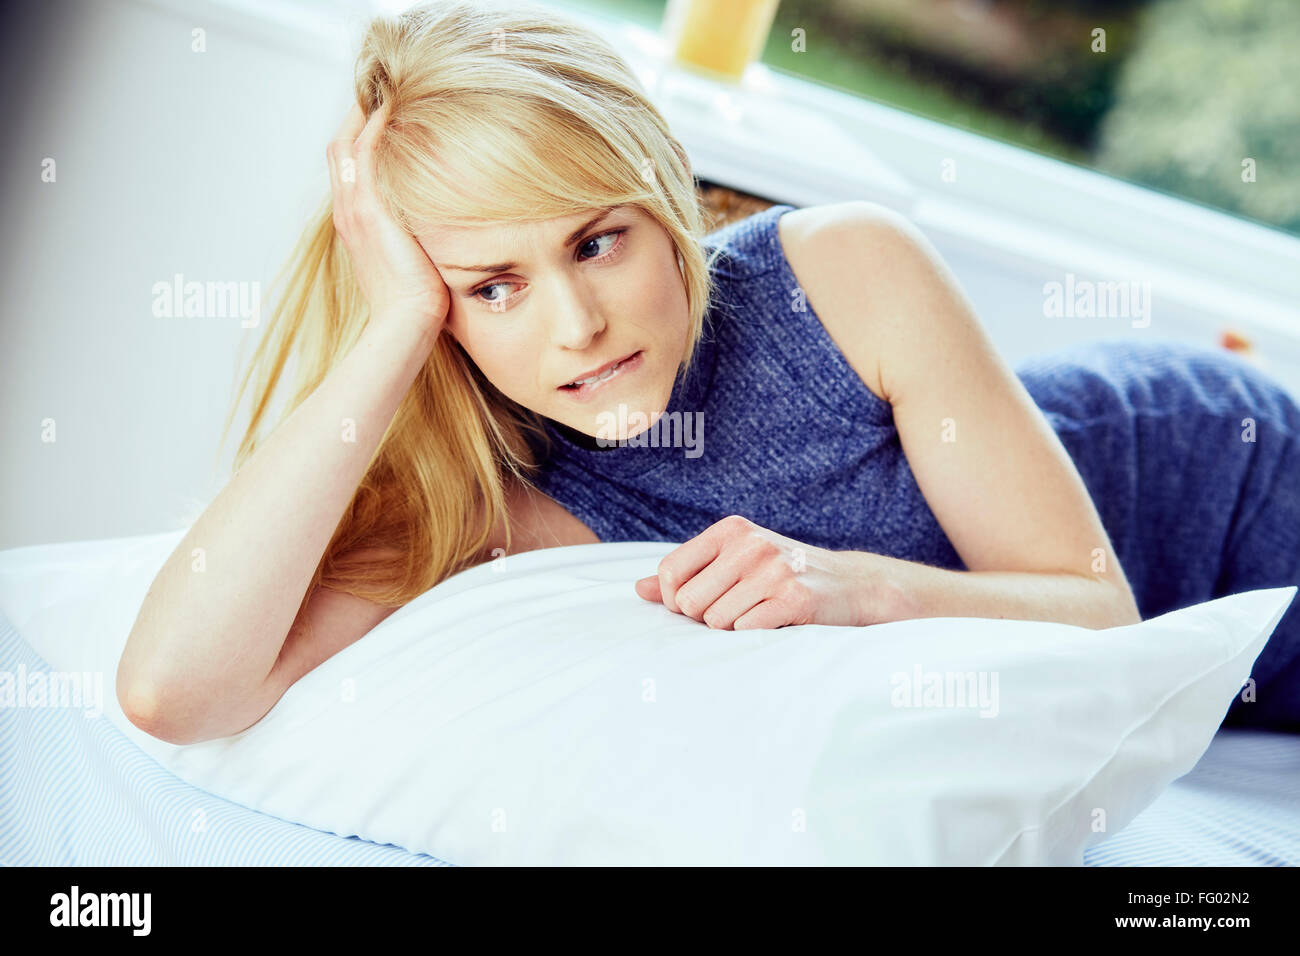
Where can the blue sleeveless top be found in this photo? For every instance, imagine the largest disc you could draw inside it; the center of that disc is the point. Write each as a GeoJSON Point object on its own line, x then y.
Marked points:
{"type": "Point", "coordinates": [795, 441]}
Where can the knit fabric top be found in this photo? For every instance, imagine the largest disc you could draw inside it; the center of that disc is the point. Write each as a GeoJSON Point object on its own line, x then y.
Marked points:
{"type": "Point", "coordinates": [782, 430]}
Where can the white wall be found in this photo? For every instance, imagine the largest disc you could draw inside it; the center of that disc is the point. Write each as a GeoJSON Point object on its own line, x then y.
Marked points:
{"type": "Point", "coordinates": [167, 161]}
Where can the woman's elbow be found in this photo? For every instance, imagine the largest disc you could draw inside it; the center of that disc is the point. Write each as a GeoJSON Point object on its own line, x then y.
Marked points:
{"type": "Point", "coordinates": [145, 708]}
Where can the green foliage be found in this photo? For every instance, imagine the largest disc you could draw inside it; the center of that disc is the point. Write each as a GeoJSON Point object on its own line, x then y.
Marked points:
{"type": "Point", "coordinates": [1212, 83]}
{"type": "Point", "coordinates": [1185, 91]}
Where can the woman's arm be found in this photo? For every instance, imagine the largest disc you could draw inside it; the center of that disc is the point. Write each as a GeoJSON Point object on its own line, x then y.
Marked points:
{"type": "Point", "coordinates": [889, 589]}
{"type": "Point", "coordinates": [736, 574]}
{"type": "Point", "coordinates": [995, 475]}
{"type": "Point", "coordinates": [218, 640]}
{"type": "Point", "coordinates": [208, 635]}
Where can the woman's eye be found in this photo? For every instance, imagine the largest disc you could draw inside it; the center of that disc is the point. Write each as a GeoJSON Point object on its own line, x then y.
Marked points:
{"type": "Point", "coordinates": [611, 238]}
{"type": "Point", "coordinates": [478, 293]}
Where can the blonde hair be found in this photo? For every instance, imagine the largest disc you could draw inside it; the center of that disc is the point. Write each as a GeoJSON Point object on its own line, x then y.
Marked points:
{"type": "Point", "coordinates": [500, 113]}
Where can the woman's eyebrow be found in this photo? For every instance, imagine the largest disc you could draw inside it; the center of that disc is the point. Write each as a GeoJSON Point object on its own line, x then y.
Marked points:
{"type": "Point", "coordinates": [507, 266]}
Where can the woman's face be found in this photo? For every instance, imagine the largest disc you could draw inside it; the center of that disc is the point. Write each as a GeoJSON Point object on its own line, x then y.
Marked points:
{"type": "Point", "coordinates": [539, 305]}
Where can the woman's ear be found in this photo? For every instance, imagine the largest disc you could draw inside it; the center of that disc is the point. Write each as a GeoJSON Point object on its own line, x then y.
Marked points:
{"type": "Point", "coordinates": [681, 265]}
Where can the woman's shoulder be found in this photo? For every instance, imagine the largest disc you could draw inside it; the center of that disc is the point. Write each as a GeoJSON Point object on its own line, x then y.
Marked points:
{"type": "Point", "coordinates": [756, 243]}
{"type": "Point", "coordinates": [814, 257]}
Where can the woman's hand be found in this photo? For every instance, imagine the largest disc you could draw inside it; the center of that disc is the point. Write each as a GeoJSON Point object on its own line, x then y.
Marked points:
{"type": "Point", "coordinates": [393, 270]}
{"type": "Point", "coordinates": [736, 575]}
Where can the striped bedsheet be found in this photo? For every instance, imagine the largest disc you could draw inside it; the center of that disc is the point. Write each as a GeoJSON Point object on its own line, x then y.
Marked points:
{"type": "Point", "coordinates": [74, 791]}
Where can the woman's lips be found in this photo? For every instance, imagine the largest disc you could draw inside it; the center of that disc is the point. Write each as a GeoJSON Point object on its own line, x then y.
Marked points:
{"type": "Point", "coordinates": [626, 367]}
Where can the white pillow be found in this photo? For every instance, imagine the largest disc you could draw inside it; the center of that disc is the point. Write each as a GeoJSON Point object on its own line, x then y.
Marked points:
{"type": "Point", "coordinates": [535, 710]}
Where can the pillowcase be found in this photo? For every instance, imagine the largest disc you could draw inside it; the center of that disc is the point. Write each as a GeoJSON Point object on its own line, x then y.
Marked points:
{"type": "Point", "coordinates": [534, 710]}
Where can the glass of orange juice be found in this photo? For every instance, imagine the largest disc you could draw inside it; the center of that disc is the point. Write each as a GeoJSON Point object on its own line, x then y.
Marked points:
{"type": "Point", "coordinates": [721, 36]}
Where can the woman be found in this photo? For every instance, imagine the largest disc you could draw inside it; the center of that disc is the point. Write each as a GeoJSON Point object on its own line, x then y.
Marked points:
{"type": "Point", "coordinates": [508, 334]}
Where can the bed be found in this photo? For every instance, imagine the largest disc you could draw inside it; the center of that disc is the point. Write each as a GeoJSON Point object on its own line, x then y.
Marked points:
{"type": "Point", "coordinates": [76, 791]}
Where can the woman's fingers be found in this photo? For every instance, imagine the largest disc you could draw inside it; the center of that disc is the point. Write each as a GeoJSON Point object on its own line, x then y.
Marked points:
{"type": "Point", "coordinates": [350, 156]}
{"type": "Point", "coordinates": [746, 544]}
{"type": "Point", "coordinates": [353, 123]}
{"type": "Point", "coordinates": [707, 586]}
{"type": "Point", "coordinates": [365, 141]}
{"type": "Point", "coordinates": [339, 152]}
{"type": "Point", "coordinates": [682, 565]}
{"type": "Point", "coordinates": [735, 568]}
{"type": "Point", "coordinates": [738, 600]}
{"type": "Point", "coordinates": [391, 268]}
{"type": "Point", "coordinates": [339, 158]}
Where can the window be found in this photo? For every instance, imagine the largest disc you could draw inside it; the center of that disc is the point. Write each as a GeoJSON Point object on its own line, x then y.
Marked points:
{"type": "Point", "coordinates": [1195, 98]}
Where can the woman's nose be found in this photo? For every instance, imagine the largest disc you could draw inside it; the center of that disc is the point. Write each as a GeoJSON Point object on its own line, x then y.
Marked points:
{"type": "Point", "coordinates": [576, 318]}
